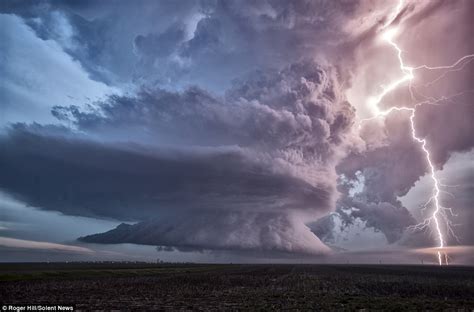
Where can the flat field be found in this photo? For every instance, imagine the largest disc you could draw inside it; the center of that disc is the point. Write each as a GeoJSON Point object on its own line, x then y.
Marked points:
{"type": "Point", "coordinates": [239, 287]}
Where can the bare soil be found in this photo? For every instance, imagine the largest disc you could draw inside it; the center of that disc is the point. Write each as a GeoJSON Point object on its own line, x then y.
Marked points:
{"type": "Point", "coordinates": [240, 287]}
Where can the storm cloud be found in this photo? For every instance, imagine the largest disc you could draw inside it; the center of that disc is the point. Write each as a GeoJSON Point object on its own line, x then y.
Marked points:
{"type": "Point", "coordinates": [231, 125]}
{"type": "Point", "coordinates": [262, 157]}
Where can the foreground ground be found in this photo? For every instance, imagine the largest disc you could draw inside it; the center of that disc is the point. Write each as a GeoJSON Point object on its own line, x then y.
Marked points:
{"type": "Point", "coordinates": [239, 287]}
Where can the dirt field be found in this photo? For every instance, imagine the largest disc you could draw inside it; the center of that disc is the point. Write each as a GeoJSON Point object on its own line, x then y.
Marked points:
{"type": "Point", "coordinates": [239, 287]}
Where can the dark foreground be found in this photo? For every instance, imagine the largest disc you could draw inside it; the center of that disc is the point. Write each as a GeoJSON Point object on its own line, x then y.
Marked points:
{"type": "Point", "coordinates": [239, 287]}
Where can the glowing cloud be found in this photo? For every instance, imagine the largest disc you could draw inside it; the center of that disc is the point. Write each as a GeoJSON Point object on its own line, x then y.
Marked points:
{"type": "Point", "coordinates": [439, 212]}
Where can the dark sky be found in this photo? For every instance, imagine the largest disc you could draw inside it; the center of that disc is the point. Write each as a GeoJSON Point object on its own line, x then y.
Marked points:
{"type": "Point", "coordinates": [227, 131]}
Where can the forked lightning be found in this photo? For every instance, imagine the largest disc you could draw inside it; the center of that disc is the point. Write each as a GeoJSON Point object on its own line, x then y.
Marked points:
{"type": "Point", "coordinates": [439, 213]}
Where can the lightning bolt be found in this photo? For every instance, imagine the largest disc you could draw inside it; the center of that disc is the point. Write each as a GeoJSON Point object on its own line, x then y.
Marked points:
{"type": "Point", "coordinates": [439, 212]}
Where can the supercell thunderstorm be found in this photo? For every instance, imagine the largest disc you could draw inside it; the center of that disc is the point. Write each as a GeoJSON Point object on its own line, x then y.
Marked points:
{"type": "Point", "coordinates": [229, 130]}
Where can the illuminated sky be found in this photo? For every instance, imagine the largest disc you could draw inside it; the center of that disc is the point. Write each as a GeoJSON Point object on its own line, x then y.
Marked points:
{"type": "Point", "coordinates": [231, 131]}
